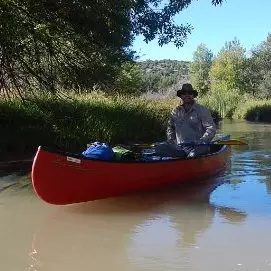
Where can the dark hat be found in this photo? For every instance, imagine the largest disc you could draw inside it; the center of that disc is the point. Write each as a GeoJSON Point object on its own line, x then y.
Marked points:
{"type": "Point", "coordinates": [187, 88]}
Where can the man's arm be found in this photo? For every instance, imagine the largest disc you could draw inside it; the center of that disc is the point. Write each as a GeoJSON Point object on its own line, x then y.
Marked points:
{"type": "Point", "coordinates": [171, 135]}
{"type": "Point", "coordinates": [208, 124]}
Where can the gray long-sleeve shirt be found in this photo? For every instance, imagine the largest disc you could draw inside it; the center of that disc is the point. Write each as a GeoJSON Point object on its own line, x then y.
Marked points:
{"type": "Point", "coordinates": [196, 124]}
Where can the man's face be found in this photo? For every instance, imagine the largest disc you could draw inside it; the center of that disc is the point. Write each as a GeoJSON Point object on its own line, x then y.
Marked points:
{"type": "Point", "coordinates": [187, 97]}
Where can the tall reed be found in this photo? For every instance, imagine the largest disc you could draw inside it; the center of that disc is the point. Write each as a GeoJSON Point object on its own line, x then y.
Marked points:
{"type": "Point", "coordinates": [72, 123]}
{"type": "Point", "coordinates": [224, 103]}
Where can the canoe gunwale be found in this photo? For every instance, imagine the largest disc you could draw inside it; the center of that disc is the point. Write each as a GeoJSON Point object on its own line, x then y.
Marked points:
{"type": "Point", "coordinates": [221, 149]}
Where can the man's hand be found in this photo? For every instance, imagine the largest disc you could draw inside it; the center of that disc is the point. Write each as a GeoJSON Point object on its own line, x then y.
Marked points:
{"type": "Point", "coordinates": [199, 142]}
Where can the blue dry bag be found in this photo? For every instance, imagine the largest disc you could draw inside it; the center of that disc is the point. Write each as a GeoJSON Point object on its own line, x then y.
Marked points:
{"type": "Point", "coordinates": [99, 150]}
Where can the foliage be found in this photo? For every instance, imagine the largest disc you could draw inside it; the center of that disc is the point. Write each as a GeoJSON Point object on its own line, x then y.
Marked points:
{"type": "Point", "coordinates": [129, 80]}
{"type": "Point", "coordinates": [265, 86]}
{"type": "Point", "coordinates": [73, 44]}
{"type": "Point", "coordinates": [67, 44]}
{"type": "Point", "coordinates": [259, 69]}
{"type": "Point", "coordinates": [223, 103]}
{"type": "Point", "coordinates": [231, 72]}
{"type": "Point", "coordinates": [254, 110]}
{"type": "Point", "coordinates": [226, 69]}
{"type": "Point", "coordinates": [155, 19]}
{"type": "Point", "coordinates": [72, 123]}
{"type": "Point", "coordinates": [47, 44]}
{"type": "Point", "coordinates": [200, 67]}
{"type": "Point", "coordinates": [159, 75]}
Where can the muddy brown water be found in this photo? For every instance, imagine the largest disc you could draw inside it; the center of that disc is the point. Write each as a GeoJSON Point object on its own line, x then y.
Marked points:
{"type": "Point", "coordinates": [221, 224]}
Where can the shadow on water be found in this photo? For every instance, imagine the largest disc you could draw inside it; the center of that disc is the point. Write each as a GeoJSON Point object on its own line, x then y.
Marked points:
{"type": "Point", "coordinates": [15, 181]}
{"type": "Point", "coordinates": [18, 166]}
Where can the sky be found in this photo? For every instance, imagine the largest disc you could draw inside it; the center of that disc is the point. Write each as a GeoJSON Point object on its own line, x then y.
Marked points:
{"type": "Point", "coordinates": [247, 20]}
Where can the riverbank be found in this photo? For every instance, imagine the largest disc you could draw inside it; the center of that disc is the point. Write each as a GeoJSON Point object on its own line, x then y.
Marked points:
{"type": "Point", "coordinates": [73, 122]}
{"type": "Point", "coordinates": [70, 124]}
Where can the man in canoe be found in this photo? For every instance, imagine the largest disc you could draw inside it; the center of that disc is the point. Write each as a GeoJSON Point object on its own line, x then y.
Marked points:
{"type": "Point", "coordinates": [190, 127]}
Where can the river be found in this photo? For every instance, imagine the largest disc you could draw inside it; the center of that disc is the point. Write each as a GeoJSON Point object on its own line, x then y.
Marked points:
{"type": "Point", "coordinates": [223, 224]}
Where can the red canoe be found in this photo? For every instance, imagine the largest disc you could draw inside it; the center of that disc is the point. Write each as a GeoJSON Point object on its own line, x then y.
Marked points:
{"type": "Point", "coordinates": [64, 178]}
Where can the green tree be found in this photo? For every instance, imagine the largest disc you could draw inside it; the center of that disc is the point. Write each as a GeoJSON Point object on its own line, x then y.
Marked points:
{"type": "Point", "coordinates": [155, 19]}
{"type": "Point", "coordinates": [265, 86]}
{"type": "Point", "coordinates": [200, 67]}
{"type": "Point", "coordinates": [48, 44]}
{"type": "Point", "coordinates": [227, 66]}
{"type": "Point", "coordinates": [129, 79]}
{"type": "Point", "coordinates": [258, 69]}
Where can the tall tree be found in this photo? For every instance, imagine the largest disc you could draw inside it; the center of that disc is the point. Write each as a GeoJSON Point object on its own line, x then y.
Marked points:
{"type": "Point", "coordinates": [258, 69]}
{"type": "Point", "coordinates": [200, 67]}
{"type": "Point", "coordinates": [155, 19]}
{"type": "Point", "coordinates": [48, 44]}
{"type": "Point", "coordinates": [227, 67]}
{"type": "Point", "coordinates": [129, 80]}
{"type": "Point", "coordinates": [265, 86]}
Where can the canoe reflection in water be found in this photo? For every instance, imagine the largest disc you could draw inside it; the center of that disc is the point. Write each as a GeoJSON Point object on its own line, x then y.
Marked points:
{"type": "Point", "coordinates": [151, 230]}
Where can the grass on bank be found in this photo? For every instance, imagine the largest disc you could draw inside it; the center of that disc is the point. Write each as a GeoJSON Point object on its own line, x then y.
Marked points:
{"type": "Point", "coordinates": [72, 123]}
{"type": "Point", "coordinates": [237, 106]}
{"type": "Point", "coordinates": [257, 110]}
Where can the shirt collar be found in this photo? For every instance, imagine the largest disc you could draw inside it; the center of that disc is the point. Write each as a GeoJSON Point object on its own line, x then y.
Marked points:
{"type": "Point", "coordinates": [193, 107]}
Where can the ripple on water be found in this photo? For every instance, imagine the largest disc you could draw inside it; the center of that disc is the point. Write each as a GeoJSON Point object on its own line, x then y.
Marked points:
{"type": "Point", "coordinates": [7, 181]}
{"type": "Point", "coordinates": [250, 163]}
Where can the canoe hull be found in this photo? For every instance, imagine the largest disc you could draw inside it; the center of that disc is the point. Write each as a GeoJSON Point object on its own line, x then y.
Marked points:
{"type": "Point", "coordinates": [61, 178]}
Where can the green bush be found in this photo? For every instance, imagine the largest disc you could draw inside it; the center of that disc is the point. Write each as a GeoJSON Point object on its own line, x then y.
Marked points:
{"type": "Point", "coordinates": [254, 110]}
{"type": "Point", "coordinates": [72, 123]}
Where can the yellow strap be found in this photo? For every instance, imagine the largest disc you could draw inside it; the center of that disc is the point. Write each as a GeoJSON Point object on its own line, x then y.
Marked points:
{"type": "Point", "coordinates": [218, 142]}
{"type": "Point", "coordinates": [229, 142]}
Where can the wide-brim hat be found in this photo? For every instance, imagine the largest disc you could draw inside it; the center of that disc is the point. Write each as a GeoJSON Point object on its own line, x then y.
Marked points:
{"type": "Point", "coordinates": [187, 88]}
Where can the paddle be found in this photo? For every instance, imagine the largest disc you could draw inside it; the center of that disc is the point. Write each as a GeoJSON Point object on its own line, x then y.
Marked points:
{"type": "Point", "coordinates": [229, 142]}
{"type": "Point", "coordinates": [217, 142]}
